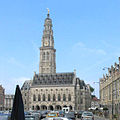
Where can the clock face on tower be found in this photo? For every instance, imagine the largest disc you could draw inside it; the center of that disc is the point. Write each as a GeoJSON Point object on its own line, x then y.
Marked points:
{"type": "Point", "coordinates": [46, 43]}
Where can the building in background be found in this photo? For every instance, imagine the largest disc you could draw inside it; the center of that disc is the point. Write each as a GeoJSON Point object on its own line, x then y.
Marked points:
{"type": "Point", "coordinates": [25, 91]}
{"type": "Point", "coordinates": [2, 95]}
{"type": "Point", "coordinates": [110, 89]}
{"type": "Point", "coordinates": [50, 90]}
{"type": "Point", "coordinates": [8, 102]}
{"type": "Point", "coordinates": [95, 103]}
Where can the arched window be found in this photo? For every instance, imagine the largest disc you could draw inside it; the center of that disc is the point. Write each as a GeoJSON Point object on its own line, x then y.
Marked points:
{"type": "Point", "coordinates": [48, 97]}
{"type": "Point", "coordinates": [34, 97]}
{"type": "Point", "coordinates": [43, 57]}
{"type": "Point", "coordinates": [47, 55]}
{"type": "Point", "coordinates": [64, 97]}
{"type": "Point", "coordinates": [69, 97]}
{"type": "Point", "coordinates": [43, 97]}
{"type": "Point", "coordinates": [25, 101]}
{"type": "Point", "coordinates": [59, 97]}
{"type": "Point", "coordinates": [54, 98]}
{"type": "Point", "coordinates": [39, 98]}
{"type": "Point", "coordinates": [81, 101]}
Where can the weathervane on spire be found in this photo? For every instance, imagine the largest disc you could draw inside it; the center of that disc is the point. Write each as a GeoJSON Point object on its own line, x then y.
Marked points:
{"type": "Point", "coordinates": [48, 10]}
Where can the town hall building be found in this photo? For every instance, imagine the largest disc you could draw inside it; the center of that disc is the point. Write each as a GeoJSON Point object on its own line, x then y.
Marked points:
{"type": "Point", "coordinates": [49, 90]}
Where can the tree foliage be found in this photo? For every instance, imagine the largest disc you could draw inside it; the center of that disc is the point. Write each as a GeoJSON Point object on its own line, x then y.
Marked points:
{"type": "Point", "coordinates": [91, 89]}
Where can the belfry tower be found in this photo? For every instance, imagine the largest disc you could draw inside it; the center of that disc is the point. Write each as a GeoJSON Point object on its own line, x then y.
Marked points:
{"type": "Point", "coordinates": [47, 52]}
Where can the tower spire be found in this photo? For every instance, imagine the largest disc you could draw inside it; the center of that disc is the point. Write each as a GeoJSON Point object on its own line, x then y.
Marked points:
{"type": "Point", "coordinates": [47, 51]}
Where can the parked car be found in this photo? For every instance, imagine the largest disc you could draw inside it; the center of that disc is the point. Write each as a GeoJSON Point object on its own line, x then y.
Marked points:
{"type": "Point", "coordinates": [4, 116]}
{"type": "Point", "coordinates": [70, 115]}
{"type": "Point", "coordinates": [37, 115]}
{"type": "Point", "coordinates": [61, 113]}
{"type": "Point", "coordinates": [44, 114]}
{"type": "Point", "coordinates": [27, 113]}
{"type": "Point", "coordinates": [30, 117]}
{"type": "Point", "coordinates": [79, 114]}
{"type": "Point", "coordinates": [56, 118]}
{"type": "Point", "coordinates": [52, 114]}
{"type": "Point", "coordinates": [87, 116]}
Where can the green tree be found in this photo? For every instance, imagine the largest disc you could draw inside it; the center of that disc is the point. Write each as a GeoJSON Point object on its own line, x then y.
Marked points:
{"type": "Point", "coordinates": [91, 89]}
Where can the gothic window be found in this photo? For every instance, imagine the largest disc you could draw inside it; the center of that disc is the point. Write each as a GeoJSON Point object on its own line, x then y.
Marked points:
{"type": "Point", "coordinates": [48, 97]}
{"type": "Point", "coordinates": [81, 101]}
{"type": "Point", "coordinates": [59, 97]}
{"type": "Point", "coordinates": [34, 98]}
{"type": "Point", "coordinates": [47, 69]}
{"type": "Point", "coordinates": [47, 55]}
{"type": "Point", "coordinates": [54, 98]}
{"type": "Point", "coordinates": [64, 97]}
{"type": "Point", "coordinates": [43, 56]}
{"type": "Point", "coordinates": [39, 99]}
{"type": "Point", "coordinates": [43, 69]}
{"type": "Point", "coordinates": [69, 97]}
{"type": "Point", "coordinates": [25, 101]}
{"type": "Point", "coordinates": [43, 97]}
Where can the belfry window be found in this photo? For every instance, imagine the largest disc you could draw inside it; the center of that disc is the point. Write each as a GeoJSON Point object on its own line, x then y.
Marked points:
{"type": "Point", "coordinates": [43, 57]}
{"type": "Point", "coordinates": [47, 55]}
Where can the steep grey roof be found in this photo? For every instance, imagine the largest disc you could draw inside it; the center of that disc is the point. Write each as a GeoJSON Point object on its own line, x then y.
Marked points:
{"type": "Point", "coordinates": [26, 85]}
{"type": "Point", "coordinates": [53, 79]}
{"type": "Point", "coordinates": [81, 83]}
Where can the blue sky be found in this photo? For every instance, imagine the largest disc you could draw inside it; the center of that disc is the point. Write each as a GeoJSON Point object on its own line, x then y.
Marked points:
{"type": "Point", "coordinates": [86, 34]}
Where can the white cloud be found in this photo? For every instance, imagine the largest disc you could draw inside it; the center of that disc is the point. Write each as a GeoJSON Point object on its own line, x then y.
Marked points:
{"type": "Point", "coordinates": [84, 49]}
{"type": "Point", "coordinates": [13, 61]}
{"type": "Point", "coordinates": [79, 44]}
{"type": "Point", "coordinates": [10, 84]}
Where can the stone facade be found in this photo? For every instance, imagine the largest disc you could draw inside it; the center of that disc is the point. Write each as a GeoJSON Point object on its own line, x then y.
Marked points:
{"type": "Point", "coordinates": [25, 91]}
{"type": "Point", "coordinates": [2, 95]}
{"type": "Point", "coordinates": [95, 103]}
{"type": "Point", "coordinates": [110, 89]}
{"type": "Point", "coordinates": [50, 90]}
{"type": "Point", "coordinates": [8, 102]}
{"type": "Point", "coordinates": [41, 96]}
